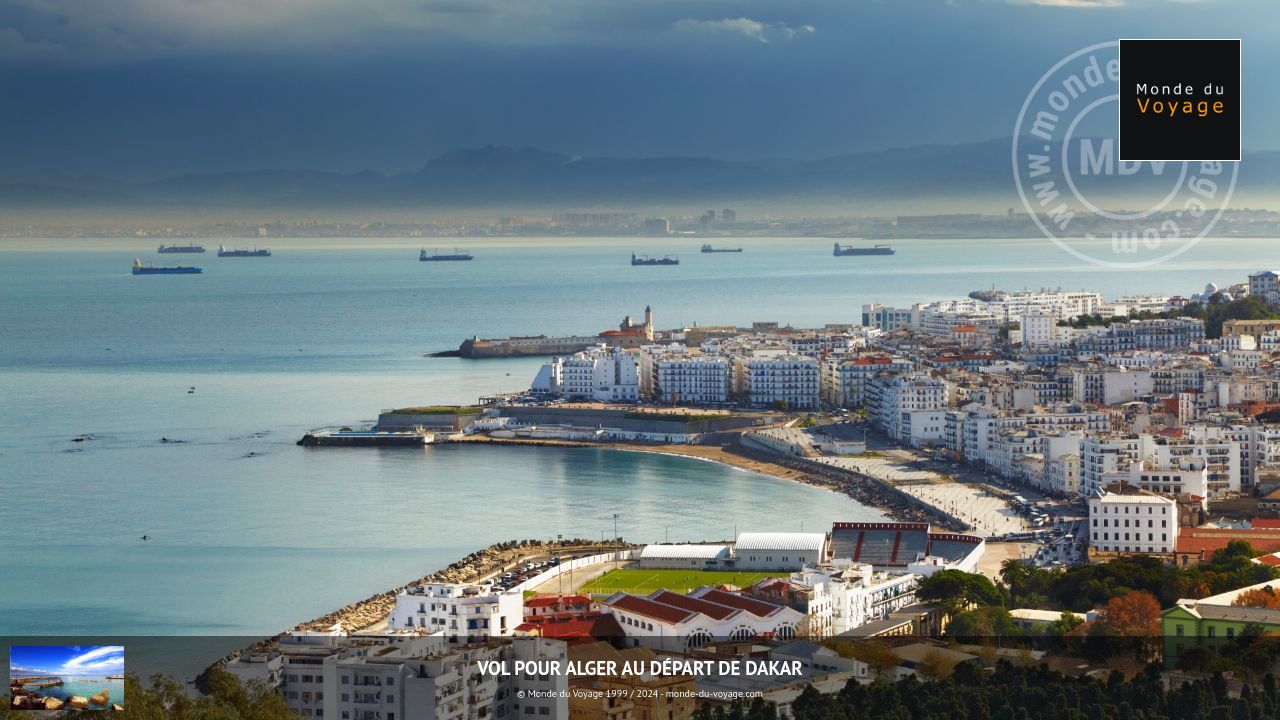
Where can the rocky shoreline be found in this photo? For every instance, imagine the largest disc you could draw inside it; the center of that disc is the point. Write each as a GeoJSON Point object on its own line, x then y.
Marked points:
{"type": "Point", "coordinates": [496, 558]}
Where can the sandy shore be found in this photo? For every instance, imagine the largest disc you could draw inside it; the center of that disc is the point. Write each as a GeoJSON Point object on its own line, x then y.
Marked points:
{"type": "Point", "coordinates": [736, 455]}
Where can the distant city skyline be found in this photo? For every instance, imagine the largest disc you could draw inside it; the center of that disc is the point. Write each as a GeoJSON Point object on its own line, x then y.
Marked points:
{"type": "Point", "coordinates": [144, 89]}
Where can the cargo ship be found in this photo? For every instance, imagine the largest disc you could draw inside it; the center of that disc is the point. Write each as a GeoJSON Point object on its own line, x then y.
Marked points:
{"type": "Point", "coordinates": [224, 252]}
{"type": "Point", "coordinates": [180, 249]}
{"type": "Point", "coordinates": [708, 249]}
{"type": "Point", "coordinates": [646, 260]}
{"type": "Point", "coordinates": [842, 250]}
{"type": "Point", "coordinates": [149, 269]}
{"type": "Point", "coordinates": [437, 256]}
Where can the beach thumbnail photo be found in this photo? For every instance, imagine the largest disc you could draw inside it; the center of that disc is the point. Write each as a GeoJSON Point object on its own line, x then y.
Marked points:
{"type": "Point", "coordinates": [57, 677]}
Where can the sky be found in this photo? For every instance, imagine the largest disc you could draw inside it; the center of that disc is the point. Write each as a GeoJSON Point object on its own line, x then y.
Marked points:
{"type": "Point", "coordinates": [143, 89]}
{"type": "Point", "coordinates": [67, 660]}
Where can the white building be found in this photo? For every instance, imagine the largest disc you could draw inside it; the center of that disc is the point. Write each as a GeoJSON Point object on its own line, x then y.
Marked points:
{"type": "Point", "coordinates": [462, 613]}
{"type": "Point", "coordinates": [679, 376]}
{"type": "Point", "coordinates": [1104, 455]}
{"type": "Point", "coordinates": [599, 373]}
{"type": "Point", "coordinates": [790, 380]}
{"type": "Point", "coordinates": [892, 400]}
{"type": "Point", "coordinates": [779, 551]}
{"type": "Point", "coordinates": [669, 621]}
{"type": "Point", "coordinates": [1038, 329]}
{"type": "Point", "coordinates": [1141, 523]}
{"type": "Point", "coordinates": [680, 557]}
{"type": "Point", "coordinates": [407, 678]}
{"type": "Point", "coordinates": [1265, 284]}
{"type": "Point", "coordinates": [844, 379]}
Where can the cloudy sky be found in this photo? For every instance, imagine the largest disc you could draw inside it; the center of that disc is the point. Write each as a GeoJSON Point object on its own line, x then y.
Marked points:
{"type": "Point", "coordinates": [139, 89]}
{"type": "Point", "coordinates": [67, 660]}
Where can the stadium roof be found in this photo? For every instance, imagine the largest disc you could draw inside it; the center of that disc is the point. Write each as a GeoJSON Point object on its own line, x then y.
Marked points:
{"type": "Point", "coordinates": [681, 552]}
{"type": "Point", "coordinates": [780, 541]}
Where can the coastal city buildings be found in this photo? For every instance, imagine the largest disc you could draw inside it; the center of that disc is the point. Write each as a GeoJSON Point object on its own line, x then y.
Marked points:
{"type": "Point", "coordinates": [461, 613]}
{"type": "Point", "coordinates": [353, 677]}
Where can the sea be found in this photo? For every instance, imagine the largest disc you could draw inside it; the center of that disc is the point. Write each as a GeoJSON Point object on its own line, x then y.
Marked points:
{"type": "Point", "coordinates": [87, 687]}
{"type": "Point", "coordinates": [188, 393]}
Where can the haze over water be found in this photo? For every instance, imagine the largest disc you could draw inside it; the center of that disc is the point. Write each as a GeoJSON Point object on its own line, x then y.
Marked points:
{"type": "Point", "coordinates": [329, 332]}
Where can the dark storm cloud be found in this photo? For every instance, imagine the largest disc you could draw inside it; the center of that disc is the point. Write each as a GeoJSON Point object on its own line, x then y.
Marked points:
{"type": "Point", "coordinates": [142, 88]}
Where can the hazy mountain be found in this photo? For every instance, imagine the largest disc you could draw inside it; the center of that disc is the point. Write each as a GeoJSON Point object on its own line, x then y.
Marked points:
{"type": "Point", "coordinates": [501, 176]}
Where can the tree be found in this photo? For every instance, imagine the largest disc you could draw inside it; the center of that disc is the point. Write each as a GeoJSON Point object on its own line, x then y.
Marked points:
{"type": "Point", "coordinates": [983, 624]}
{"type": "Point", "coordinates": [957, 590]}
{"type": "Point", "coordinates": [1263, 597]}
{"type": "Point", "coordinates": [1131, 624]}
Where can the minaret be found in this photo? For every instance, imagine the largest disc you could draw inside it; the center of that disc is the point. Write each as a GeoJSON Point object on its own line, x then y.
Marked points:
{"type": "Point", "coordinates": [648, 322]}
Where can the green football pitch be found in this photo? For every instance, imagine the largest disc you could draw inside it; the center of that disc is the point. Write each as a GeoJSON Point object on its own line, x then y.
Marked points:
{"type": "Point", "coordinates": [643, 582]}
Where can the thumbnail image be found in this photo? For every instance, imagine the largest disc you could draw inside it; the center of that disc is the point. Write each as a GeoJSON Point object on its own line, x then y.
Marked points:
{"type": "Point", "coordinates": [57, 677]}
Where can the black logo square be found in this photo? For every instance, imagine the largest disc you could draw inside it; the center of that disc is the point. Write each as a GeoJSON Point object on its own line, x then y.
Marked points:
{"type": "Point", "coordinates": [1180, 100]}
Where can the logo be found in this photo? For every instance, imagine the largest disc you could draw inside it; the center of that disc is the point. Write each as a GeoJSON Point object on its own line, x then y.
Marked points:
{"type": "Point", "coordinates": [1082, 196]}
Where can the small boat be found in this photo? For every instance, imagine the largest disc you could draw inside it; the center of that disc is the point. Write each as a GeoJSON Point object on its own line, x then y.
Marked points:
{"type": "Point", "coordinates": [843, 250]}
{"type": "Point", "coordinates": [646, 260]}
{"type": "Point", "coordinates": [179, 249]}
{"type": "Point", "coordinates": [706, 248]}
{"type": "Point", "coordinates": [149, 269]}
{"type": "Point", "coordinates": [437, 256]}
{"type": "Point", "coordinates": [243, 252]}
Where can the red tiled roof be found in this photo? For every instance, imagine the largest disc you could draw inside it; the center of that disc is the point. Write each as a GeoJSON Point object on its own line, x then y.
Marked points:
{"type": "Point", "coordinates": [712, 610]}
{"type": "Point", "coordinates": [1273, 560]}
{"type": "Point", "coordinates": [1266, 523]}
{"type": "Point", "coordinates": [1210, 540]}
{"type": "Point", "coordinates": [759, 608]}
{"type": "Point", "coordinates": [553, 600]}
{"type": "Point", "coordinates": [648, 608]}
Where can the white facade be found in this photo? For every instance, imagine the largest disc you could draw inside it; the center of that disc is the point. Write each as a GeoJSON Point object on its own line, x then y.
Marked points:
{"type": "Point", "coordinates": [398, 678]}
{"type": "Point", "coordinates": [599, 373]}
{"type": "Point", "coordinates": [789, 379]}
{"type": "Point", "coordinates": [778, 551]}
{"type": "Point", "coordinates": [673, 622]}
{"type": "Point", "coordinates": [1038, 329]}
{"type": "Point", "coordinates": [1133, 523]}
{"type": "Point", "coordinates": [696, 379]}
{"type": "Point", "coordinates": [844, 379]}
{"type": "Point", "coordinates": [893, 399]}
{"type": "Point", "coordinates": [461, 613]}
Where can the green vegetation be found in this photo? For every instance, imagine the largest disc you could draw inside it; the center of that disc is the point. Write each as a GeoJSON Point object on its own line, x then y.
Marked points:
{"type": "Point", "coordinates": [1214, 312]}
{"type": "Point", "coordinates": [1085, 587]}
{"type": "Point", "coordinates": [957, 590]}
{"type": "Point", "coordinates": [1022, 693]}
{"type": "Point", "coordinates": [673, 417]}
{"type": "Point", "coordinates": [643, 582]}
{"type": "Point", "coordinates": [167, 699]}
{"type": "Point", "coordinates": [441, 410]}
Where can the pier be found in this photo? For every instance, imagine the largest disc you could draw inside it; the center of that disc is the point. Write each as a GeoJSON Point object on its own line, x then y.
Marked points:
{"type": "Point", "coordinates": [38, 683]}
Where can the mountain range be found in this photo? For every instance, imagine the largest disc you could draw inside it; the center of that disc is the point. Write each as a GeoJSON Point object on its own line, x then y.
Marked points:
{"type": "Point", "coordinates": [495, 176]}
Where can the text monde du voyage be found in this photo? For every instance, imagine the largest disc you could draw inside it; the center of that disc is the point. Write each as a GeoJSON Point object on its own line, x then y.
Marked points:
{"type": "Point", "coordinates": [1180, 99]}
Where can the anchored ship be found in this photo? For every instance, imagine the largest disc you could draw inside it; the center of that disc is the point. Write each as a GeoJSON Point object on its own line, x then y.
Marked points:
{"type": "Point", "coordinates": [180, 249]}
{"type": "Point", "coordinates": [149, 269]}
{"type": "Point", "coordinates": [708, 249]}
{"type": "Point", "coordinates": [842, 250]}
{"type": "Point", "coordinates": [646, 260]}
{"type": "Point", "coordinates": [437, 256]}
{"type": "Point", "coordinates": [235, 252]}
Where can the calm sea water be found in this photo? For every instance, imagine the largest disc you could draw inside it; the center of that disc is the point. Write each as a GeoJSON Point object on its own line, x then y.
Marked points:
{"type": "Point", "coordinates": [87, 687]}
{"type": "Point", "coordinates": [251, 534]}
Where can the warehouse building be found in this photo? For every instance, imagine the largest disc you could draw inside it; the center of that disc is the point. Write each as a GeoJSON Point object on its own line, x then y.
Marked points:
{"type": "Point", "coordinates": [779, 551]}
{"type": "Point", "coordinates": [684, 557]}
